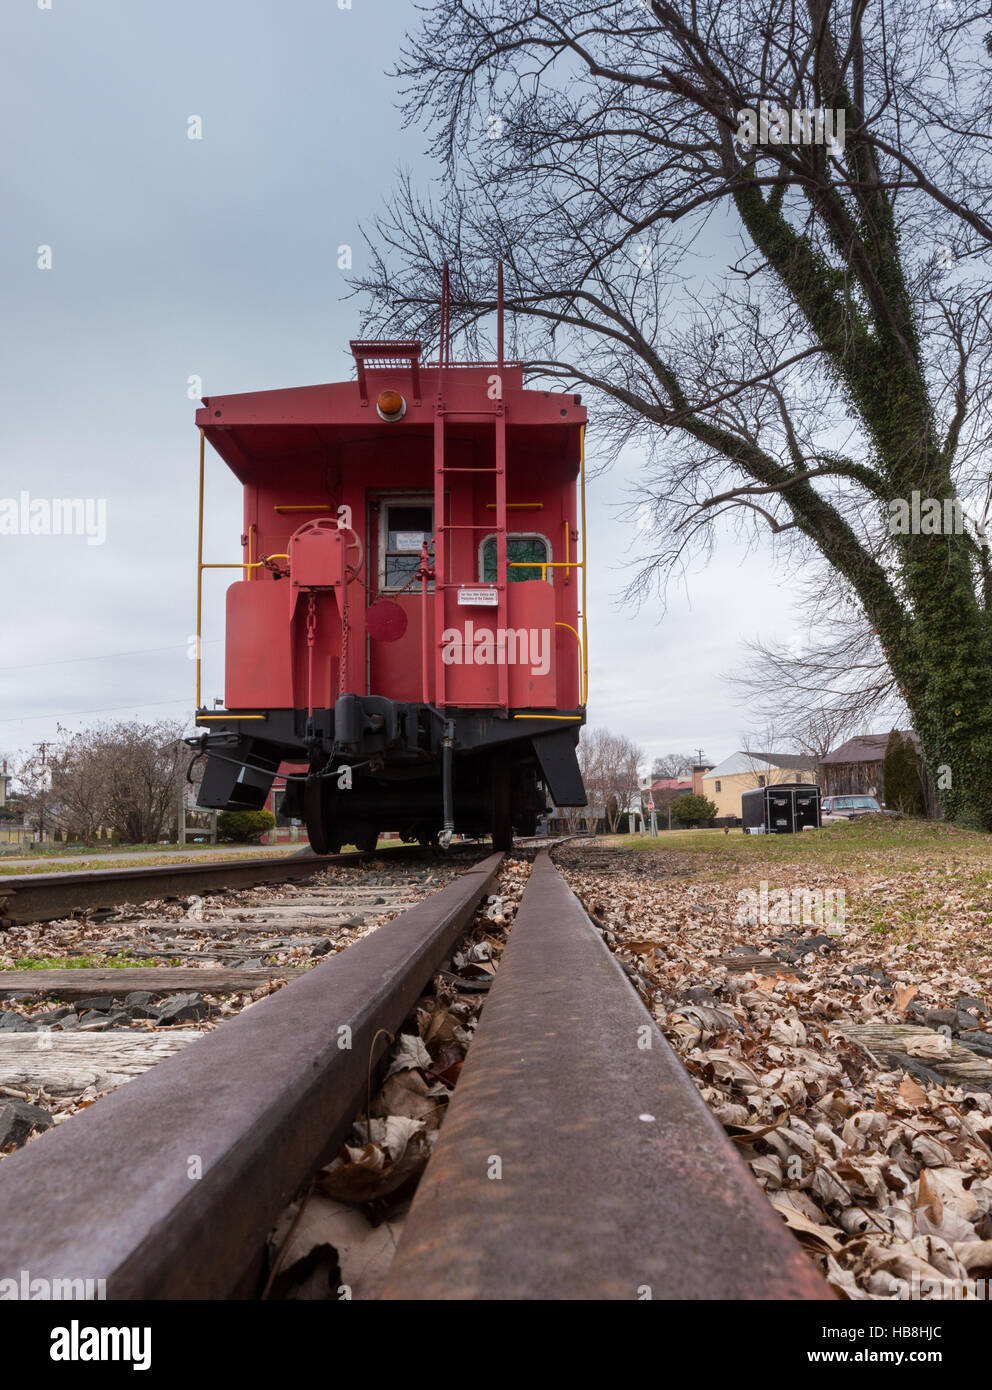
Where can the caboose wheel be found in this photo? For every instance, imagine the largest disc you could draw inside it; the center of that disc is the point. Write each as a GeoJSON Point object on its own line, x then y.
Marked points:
{"type": "Point", "coordinates": [502, 813]}
{"type": "Point", "coordinates": [322, 829]}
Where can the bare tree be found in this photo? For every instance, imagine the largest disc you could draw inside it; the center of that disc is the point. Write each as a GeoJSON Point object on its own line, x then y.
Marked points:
{"type": "Point", "coordinates": [63, 787]}
{"type": "Point", "coordinates": [625, 778]}
{"type": "Point", "coordinates": [611, 772]}
{"type": "Point", "coordinates": [825, 688]}
{"type": "Point", "coordinates": [812, 731]}
{"type": "Point", "coordinates": [590, 757]}
{"type": "Point", "coordinates": [839, 362]}
{"type": "Point", "coordinates": [121, 778]}
{"type": "Point", "coordinates": [145, 766]}
{"type": "Point", "coordinates": [819, 730]}
{"type": "Point", "coordinates": [672, 765]}
{"type": "Point", "coordinates": [773, 740]}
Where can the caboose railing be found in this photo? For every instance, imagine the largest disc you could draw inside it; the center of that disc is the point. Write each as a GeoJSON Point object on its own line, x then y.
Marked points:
{"type": "Point", "coordinates": [247, 565]}
{"type": "Point", "coordinates": [569, 565]}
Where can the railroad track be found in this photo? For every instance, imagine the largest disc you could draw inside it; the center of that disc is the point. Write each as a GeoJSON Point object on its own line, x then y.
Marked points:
{"type": "Point", "coordinates": [576, 1161]}
{"type": "Point", "coordinates": [45, 897]}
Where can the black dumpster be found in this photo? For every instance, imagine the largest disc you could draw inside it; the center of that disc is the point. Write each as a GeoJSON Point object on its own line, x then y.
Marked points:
{"type": "Point", "coordinates": [780, 810]}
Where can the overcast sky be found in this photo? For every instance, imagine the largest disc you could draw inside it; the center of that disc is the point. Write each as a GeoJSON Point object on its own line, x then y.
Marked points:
{"type": "Point", "coordinates": [216, 258]}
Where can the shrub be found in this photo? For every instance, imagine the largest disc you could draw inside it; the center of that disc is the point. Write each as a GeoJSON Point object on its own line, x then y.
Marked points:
{"type": "Point", "coordinates": [692, 808]}
{"type": "Point", "coordinates": [902, 789]}
{"type": "Point", "coordinates": [243, 826]}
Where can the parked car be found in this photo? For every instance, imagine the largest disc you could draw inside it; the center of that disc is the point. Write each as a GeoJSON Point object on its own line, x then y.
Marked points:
{"type": "Point", "coordinates": [838, 808]}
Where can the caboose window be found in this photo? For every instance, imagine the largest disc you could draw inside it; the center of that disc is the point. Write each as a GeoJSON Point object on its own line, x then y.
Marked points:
{"type": "Point", "coordinates": [519, 549]}
{"type": "Point", "coordinates": [406, 525]}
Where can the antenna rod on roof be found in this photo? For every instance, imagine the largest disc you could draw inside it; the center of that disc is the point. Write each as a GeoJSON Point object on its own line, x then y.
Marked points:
{"type": "Point", "coordinates": [444, 351]}
{"type": "Point", "coordinates": [499, 318]}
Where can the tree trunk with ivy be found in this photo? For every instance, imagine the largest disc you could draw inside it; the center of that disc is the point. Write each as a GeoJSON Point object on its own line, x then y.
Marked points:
{"type": "Point", "coordinates": [930, 612]}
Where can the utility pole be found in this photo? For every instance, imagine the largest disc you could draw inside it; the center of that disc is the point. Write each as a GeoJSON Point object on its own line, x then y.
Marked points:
{"type": "Point", "coordinates": [647, 802]}
{"type": "Point", "coordinates": [44, 787]}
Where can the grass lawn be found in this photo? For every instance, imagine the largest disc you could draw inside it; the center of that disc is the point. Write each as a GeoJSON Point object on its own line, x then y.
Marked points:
{"type": "Point", "coordinates": [908, 876]}
{"type": "Point", "coordinates": [53, 850]}
{"type": "Point", "coordinates": [143, 859]}
{"type": "Point", "coordinates": [148, 855]}
{"type": "Point", "coordinates": [834, 844]}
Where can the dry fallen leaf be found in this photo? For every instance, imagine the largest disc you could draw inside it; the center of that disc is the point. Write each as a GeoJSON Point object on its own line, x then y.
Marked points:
{"type": "Point", "coordinates": [933, 1045]}
{"type": "Point", "coordinates": [409, 1051]}
{"type": "Point", "coordinates": [904, 994]}
{"type": "Point", "coordinates": [333, 1246]}
{"type": "Point", "coordinates": [805, 1228]}
{"type": "Point", "coordinates": [912, 1093]}
{"type": "Point", "coordinates": [928, 1199]}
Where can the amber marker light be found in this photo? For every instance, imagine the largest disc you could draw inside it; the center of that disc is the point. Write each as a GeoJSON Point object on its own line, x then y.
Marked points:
{"type": "Point", "coordinates": [391, 405]}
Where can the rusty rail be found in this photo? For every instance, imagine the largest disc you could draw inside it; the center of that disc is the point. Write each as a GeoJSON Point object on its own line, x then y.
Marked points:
{"type": "Point", "coordinates": [168, 1187]}
{"type": "Point", "coordinates": [578, 1160]}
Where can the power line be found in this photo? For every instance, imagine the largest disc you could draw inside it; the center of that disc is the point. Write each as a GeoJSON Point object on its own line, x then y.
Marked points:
{"type": "Point", "coordinates": [109, 656]}
{"type": "Point", "coordinates": [110, 709]}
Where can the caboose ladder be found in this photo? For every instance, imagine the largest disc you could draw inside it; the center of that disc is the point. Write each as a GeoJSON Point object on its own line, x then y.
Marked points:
{"type": "Point", "coordinates": [444, 578]}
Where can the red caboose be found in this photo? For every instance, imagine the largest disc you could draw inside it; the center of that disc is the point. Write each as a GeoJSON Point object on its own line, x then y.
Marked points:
{"type": "Point", "coordinates": [407, 625]}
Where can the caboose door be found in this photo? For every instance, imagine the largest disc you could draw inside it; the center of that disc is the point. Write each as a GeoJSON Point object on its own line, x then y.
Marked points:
{"type": "Point", "coordinates": [398, 525]}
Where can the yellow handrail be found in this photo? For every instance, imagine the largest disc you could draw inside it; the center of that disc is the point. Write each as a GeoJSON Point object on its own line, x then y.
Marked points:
{"type": "Point", "coordinates": [201, 566]}
{"type": "Point", "coordinates": [241, 565]}
{"type": "Point", "coordinates": [567, 717]}
{"type": "Point", "coordinates": [202, 717]}
{"type": "Point", "coordinates": [543, 565]}
{"type": "Point", "coordinates": [302, 507]}
{"type": "Point", "coordinates": [232, 565]}
{"type": "Point", "coordinates": [578, 640]}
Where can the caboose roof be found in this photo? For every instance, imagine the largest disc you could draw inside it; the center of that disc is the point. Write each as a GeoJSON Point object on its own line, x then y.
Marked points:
{"type": "Point", "coordinates": [257, 428]}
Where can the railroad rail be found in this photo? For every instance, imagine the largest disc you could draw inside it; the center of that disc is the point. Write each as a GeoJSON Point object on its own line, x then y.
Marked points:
{"type": "Point", "coordinates": [42, 897]}
{"type": "Point", "coordinates": [577, 1159]}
